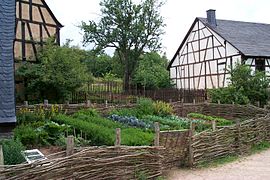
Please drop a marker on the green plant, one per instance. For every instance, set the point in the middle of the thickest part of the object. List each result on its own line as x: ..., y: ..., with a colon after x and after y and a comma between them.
x: 162, y: 108
x: 12, y: 151
x: 88, y: 112
x: 60, y: 72
x: 144, y: 106
x: 53, y: 130
x: 220, y: 121
x: 101, y: 131
x: 264, y: 145
x: 128, y: 27
x: 30, y: 136
x: 244, y: 87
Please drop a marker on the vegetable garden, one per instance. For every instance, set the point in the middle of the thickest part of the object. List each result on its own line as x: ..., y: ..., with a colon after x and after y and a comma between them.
x: 49, y: 126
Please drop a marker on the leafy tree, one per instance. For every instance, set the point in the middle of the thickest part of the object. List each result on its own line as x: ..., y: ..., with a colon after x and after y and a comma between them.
x: 151, y: 71
x: 245, y: 87
x: 129, y: 28
x: 100, y: 64
x: 58, y: 73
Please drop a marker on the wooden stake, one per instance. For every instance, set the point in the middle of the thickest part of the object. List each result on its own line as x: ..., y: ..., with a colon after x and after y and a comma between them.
x: 214, y: 125
x: 26, y: 103
x: 70, y: 145
x: 106, y: 103
x: 118, y: 137
x: 218, y: 101
x: 46, y: 102
x: 1, y: 156
x: 88, y: 103
x: 194, y: 101
x: 191, y: 153
x: 157, y: 133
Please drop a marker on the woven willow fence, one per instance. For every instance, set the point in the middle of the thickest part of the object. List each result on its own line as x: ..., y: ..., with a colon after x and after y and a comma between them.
x: 93, y: 163
x: 232, y: 140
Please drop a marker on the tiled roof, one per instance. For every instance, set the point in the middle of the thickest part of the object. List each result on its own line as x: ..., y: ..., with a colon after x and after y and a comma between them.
x: 252, y: 39
x: 7, y: 35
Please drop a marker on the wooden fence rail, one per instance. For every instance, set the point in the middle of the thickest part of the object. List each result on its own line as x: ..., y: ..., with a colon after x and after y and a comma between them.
x: 166, y: 95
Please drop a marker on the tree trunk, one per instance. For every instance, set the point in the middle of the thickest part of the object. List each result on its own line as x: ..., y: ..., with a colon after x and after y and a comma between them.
x: 126, y: 77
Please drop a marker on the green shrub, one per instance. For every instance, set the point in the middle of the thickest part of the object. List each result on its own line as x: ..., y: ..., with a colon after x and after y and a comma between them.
x: 162, y: 108
x: 229, y: 95
x: 88, y: 112
x: 136, y: 137
x: 220, y: 121
x: 53, y: 130
x: 144, y: 106
x: 12, y: 151
x: 30, y: 136
x: 25, y: 116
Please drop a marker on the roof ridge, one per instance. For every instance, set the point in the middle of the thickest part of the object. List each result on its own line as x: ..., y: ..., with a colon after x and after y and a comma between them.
x: 236, y: 21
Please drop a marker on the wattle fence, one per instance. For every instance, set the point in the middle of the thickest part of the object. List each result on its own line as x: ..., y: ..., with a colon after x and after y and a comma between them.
x: 93, y: 163
x: 237, y: 139
x: 172, y: 149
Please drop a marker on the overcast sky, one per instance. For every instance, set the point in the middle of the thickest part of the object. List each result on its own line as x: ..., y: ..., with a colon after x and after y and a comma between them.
x: 178, y: 15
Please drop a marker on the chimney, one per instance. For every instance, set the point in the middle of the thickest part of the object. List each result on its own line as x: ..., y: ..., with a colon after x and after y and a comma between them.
x: 211, y: 17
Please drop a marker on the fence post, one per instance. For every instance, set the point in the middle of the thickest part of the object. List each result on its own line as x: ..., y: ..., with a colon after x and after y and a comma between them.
x: 67, y: 103
x: 106, y: 103
x: 25, y: 103
x: 238, y: 137
x: 88, y: 103
x: 194, y: 101
x: 157, y: 134
x: 214, y: 125
x: 118, y: 137
x: 218, y: 101
x: 1, y: 156
x: 191, y: 153
x: 70, y: 145
x: 46, y: 102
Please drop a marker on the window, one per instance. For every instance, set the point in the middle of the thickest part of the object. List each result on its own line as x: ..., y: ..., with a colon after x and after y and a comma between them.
x: 260, y: 64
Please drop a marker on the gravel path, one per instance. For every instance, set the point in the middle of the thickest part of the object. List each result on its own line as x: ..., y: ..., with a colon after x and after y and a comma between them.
x: 255, y: 167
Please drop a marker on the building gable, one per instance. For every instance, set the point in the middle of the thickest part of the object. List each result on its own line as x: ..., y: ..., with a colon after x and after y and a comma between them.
x: 203, y: 59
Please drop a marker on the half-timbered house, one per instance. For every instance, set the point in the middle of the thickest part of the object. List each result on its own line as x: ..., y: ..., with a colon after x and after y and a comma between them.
x: 35, y: 22
x: 211, y: 47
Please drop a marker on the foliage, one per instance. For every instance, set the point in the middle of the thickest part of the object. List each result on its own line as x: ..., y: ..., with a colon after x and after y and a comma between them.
x: 58, y: 73
x: 220, y: 121
x: 88, y: 112
x: 162, y: 108
x: 30, y: 136
x: 53, y: 130
x: 151, y: 72
x: 169, y: 122
x: 99, y: 65
x: 40, y: 113
x: 130, y: 121
x: 144, y: 106
x: 244, y: 87
x: 264, y: 145
x: 229, y: 95
x: 12, y: 151
x: 101, y: 131
x: 129, y: 28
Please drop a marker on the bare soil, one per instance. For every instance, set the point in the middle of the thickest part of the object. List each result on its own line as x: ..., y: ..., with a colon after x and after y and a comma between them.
x: 254, y: 167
